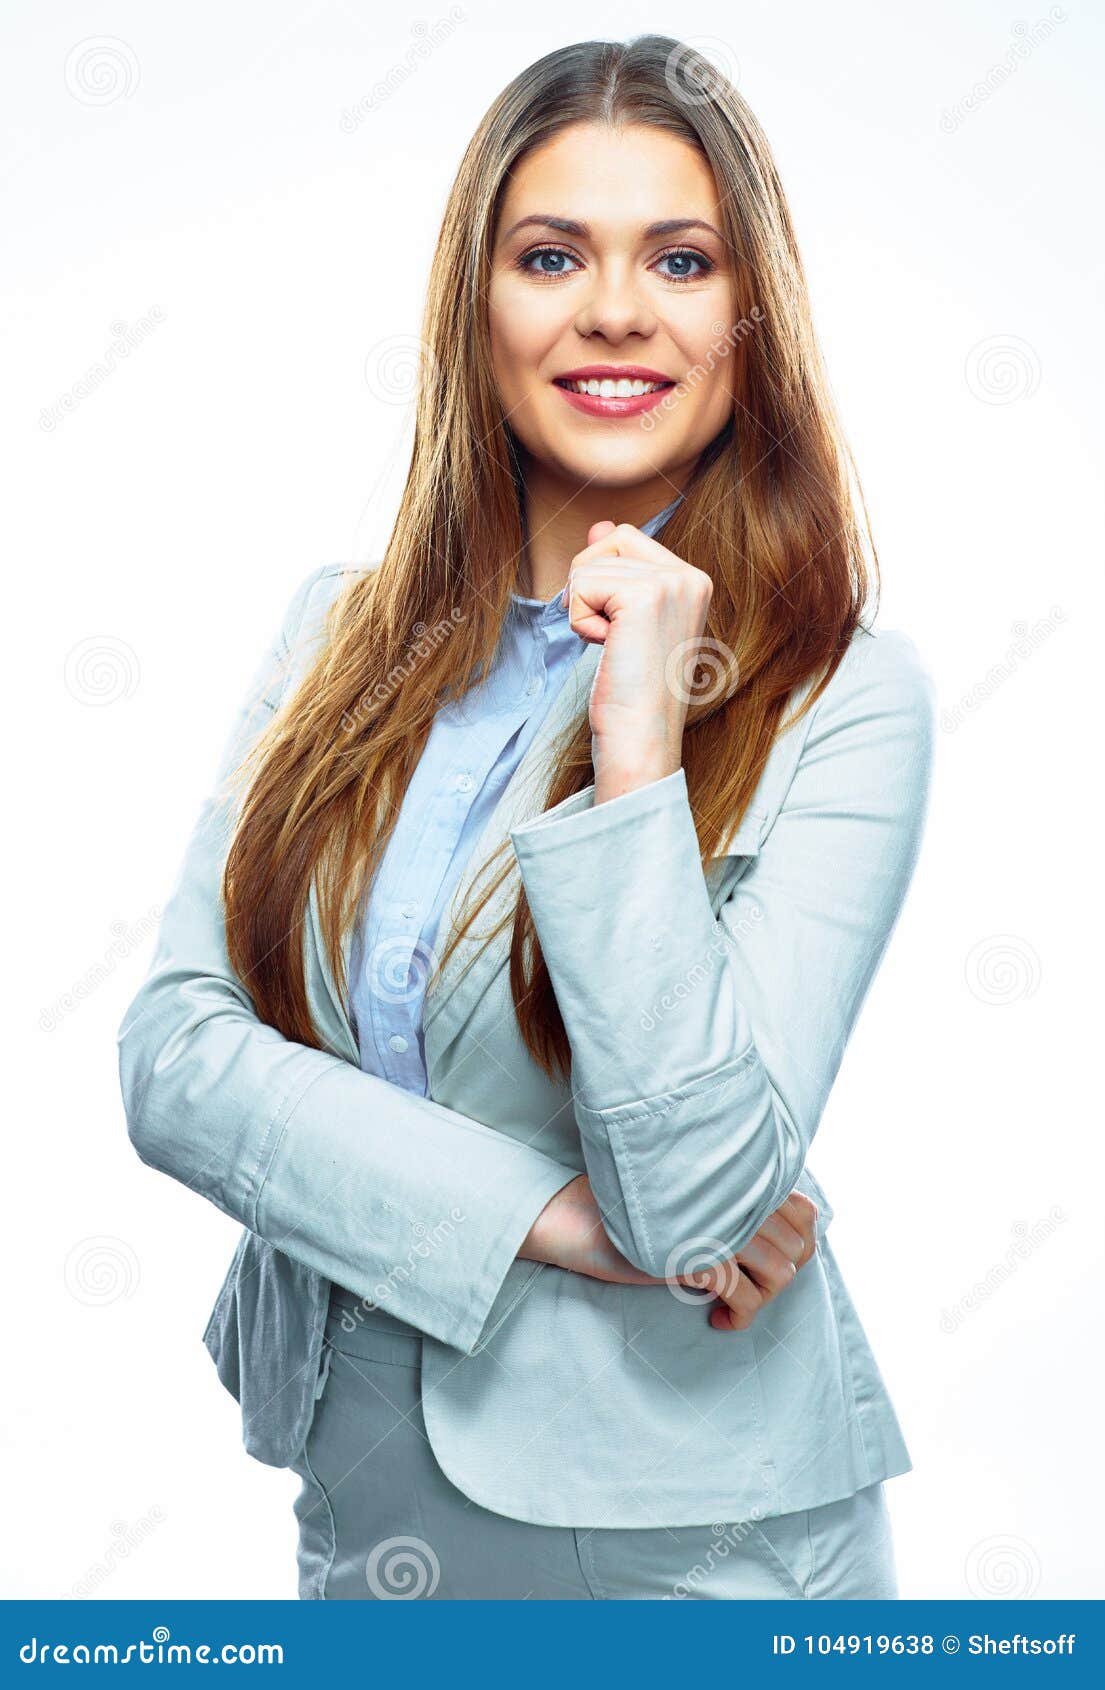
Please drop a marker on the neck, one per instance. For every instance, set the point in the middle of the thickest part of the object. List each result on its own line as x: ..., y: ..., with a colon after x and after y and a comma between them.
x: 559, y: 513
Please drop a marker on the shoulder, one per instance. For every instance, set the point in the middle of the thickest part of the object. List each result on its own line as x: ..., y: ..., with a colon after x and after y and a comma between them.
x: 871, y: 736
x: 873, y: 725
x: 312, y: 599
x: 303, y: 625
x: 883, y: 674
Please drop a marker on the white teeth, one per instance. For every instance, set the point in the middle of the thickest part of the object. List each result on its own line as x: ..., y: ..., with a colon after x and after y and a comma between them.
x: 610, y: 389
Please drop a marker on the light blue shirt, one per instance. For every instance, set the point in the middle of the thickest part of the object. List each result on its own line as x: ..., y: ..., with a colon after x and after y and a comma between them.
x: 474, y: 746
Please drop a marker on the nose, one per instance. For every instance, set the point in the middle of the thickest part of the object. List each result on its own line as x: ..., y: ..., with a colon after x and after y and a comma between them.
x: 613, y: 306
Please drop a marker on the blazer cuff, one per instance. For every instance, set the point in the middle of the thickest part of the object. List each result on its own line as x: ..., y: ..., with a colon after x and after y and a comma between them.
x: 579, y: 817
x: 412, y: 1207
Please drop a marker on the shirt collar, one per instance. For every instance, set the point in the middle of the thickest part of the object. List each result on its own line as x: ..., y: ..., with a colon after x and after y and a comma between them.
x: 551, y: 610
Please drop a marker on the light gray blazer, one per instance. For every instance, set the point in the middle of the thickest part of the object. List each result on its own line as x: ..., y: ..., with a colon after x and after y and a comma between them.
x: 707, y: 1017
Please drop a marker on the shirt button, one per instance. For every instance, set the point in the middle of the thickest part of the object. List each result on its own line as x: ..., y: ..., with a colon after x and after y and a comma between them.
x: 464, y: 783
x: 397, y: 1043
x: 533, y: 687
x: 410, y: 910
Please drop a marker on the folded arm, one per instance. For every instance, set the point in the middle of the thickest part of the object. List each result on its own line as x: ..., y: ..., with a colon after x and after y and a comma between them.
x: 704, y: 1048
x: 407, y: 1203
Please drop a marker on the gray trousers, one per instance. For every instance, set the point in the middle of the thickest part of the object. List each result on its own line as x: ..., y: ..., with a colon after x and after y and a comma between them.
x: 379, y: 1520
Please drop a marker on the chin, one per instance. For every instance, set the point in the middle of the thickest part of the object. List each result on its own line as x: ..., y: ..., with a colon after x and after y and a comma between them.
x: 597, y: 461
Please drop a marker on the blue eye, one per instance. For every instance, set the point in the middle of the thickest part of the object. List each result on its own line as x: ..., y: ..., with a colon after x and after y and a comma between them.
x: 685, y: 254
x: 544, y: 252
x: 560, y: 259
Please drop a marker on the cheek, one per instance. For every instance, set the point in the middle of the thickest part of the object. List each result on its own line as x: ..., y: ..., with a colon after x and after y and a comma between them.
x: 520, y: 335
x: 711, y: 353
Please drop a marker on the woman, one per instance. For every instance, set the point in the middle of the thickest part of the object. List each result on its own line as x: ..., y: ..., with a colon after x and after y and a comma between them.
x: 561, y: 850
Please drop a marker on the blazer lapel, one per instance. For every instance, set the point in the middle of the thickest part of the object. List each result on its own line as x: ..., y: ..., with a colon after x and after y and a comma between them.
x: 456, y: 987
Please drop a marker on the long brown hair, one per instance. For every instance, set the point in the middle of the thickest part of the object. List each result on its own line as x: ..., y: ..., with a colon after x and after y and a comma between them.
x: 769, y: 514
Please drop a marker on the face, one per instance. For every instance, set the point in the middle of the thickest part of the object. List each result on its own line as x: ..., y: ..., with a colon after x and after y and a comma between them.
x: 612, y: 295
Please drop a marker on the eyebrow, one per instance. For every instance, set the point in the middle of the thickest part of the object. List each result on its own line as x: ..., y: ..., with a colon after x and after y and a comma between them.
x: 567, y: 226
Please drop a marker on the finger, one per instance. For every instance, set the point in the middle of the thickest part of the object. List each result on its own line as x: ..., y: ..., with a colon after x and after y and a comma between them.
x: 587, y: 595
x: 743, y: 1301
x: 784, y: 1236
x: 771, y: 1270
x: 622, y: 539
x: 803, y: 1214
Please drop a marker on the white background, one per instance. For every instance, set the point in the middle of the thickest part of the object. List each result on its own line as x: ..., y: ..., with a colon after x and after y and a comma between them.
x: 229, y: 190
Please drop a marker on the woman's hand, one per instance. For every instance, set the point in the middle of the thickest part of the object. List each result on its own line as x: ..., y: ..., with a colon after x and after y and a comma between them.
x: 648, y: 609
x: 569, y: 1234
x: 765, y: 1266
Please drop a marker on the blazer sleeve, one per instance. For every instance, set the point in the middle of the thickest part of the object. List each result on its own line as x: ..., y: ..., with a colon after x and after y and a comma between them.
x: 703, y: 1048
x: 404, y: 1201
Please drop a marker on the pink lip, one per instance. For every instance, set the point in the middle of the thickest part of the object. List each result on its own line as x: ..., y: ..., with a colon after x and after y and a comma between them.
x: 612, y: 372
x: 594, y: 406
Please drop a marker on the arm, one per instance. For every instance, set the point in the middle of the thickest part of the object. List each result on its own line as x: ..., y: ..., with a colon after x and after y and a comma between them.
x: 403, y: 1201
x: 694, y: 1130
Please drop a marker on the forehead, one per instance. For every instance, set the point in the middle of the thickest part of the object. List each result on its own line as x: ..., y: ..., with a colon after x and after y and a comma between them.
x: 613, y: 179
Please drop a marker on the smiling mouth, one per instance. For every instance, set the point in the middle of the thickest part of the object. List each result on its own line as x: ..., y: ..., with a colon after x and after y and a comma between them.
x: 612, y: 398
x: 609, y: 388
